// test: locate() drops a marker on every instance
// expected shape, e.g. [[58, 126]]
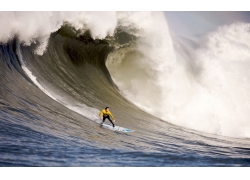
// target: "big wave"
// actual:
[[203, 87]]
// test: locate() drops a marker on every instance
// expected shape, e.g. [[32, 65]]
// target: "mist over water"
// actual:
[[202, 84]]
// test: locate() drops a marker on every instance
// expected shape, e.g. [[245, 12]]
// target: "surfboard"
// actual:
[[116, 128]]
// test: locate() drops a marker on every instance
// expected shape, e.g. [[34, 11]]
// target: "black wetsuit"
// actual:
[[104, 117]]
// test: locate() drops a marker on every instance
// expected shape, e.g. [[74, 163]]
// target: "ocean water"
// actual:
[[186, 98]]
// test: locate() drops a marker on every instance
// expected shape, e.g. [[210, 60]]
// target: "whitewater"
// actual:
[[185, 97]]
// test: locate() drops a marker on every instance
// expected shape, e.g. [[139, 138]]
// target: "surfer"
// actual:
[[105, 113]]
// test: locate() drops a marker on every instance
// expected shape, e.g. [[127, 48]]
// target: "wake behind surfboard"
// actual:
[[116, 128], [110, 127]]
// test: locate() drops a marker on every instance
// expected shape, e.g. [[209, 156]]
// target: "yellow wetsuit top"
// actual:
[[106, 113]]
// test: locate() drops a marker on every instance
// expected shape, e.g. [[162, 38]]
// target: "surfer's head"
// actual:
[[106, 108]]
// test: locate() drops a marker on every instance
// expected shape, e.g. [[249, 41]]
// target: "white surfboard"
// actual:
[[116, 128]]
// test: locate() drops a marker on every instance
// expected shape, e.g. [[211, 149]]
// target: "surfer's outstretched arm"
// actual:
[[100, 114], [113, 118]]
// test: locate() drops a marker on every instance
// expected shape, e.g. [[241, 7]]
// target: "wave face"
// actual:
[[186, 99]]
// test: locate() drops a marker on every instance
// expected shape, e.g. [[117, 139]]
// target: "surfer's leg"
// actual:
[[111, 121], [103, 119]]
